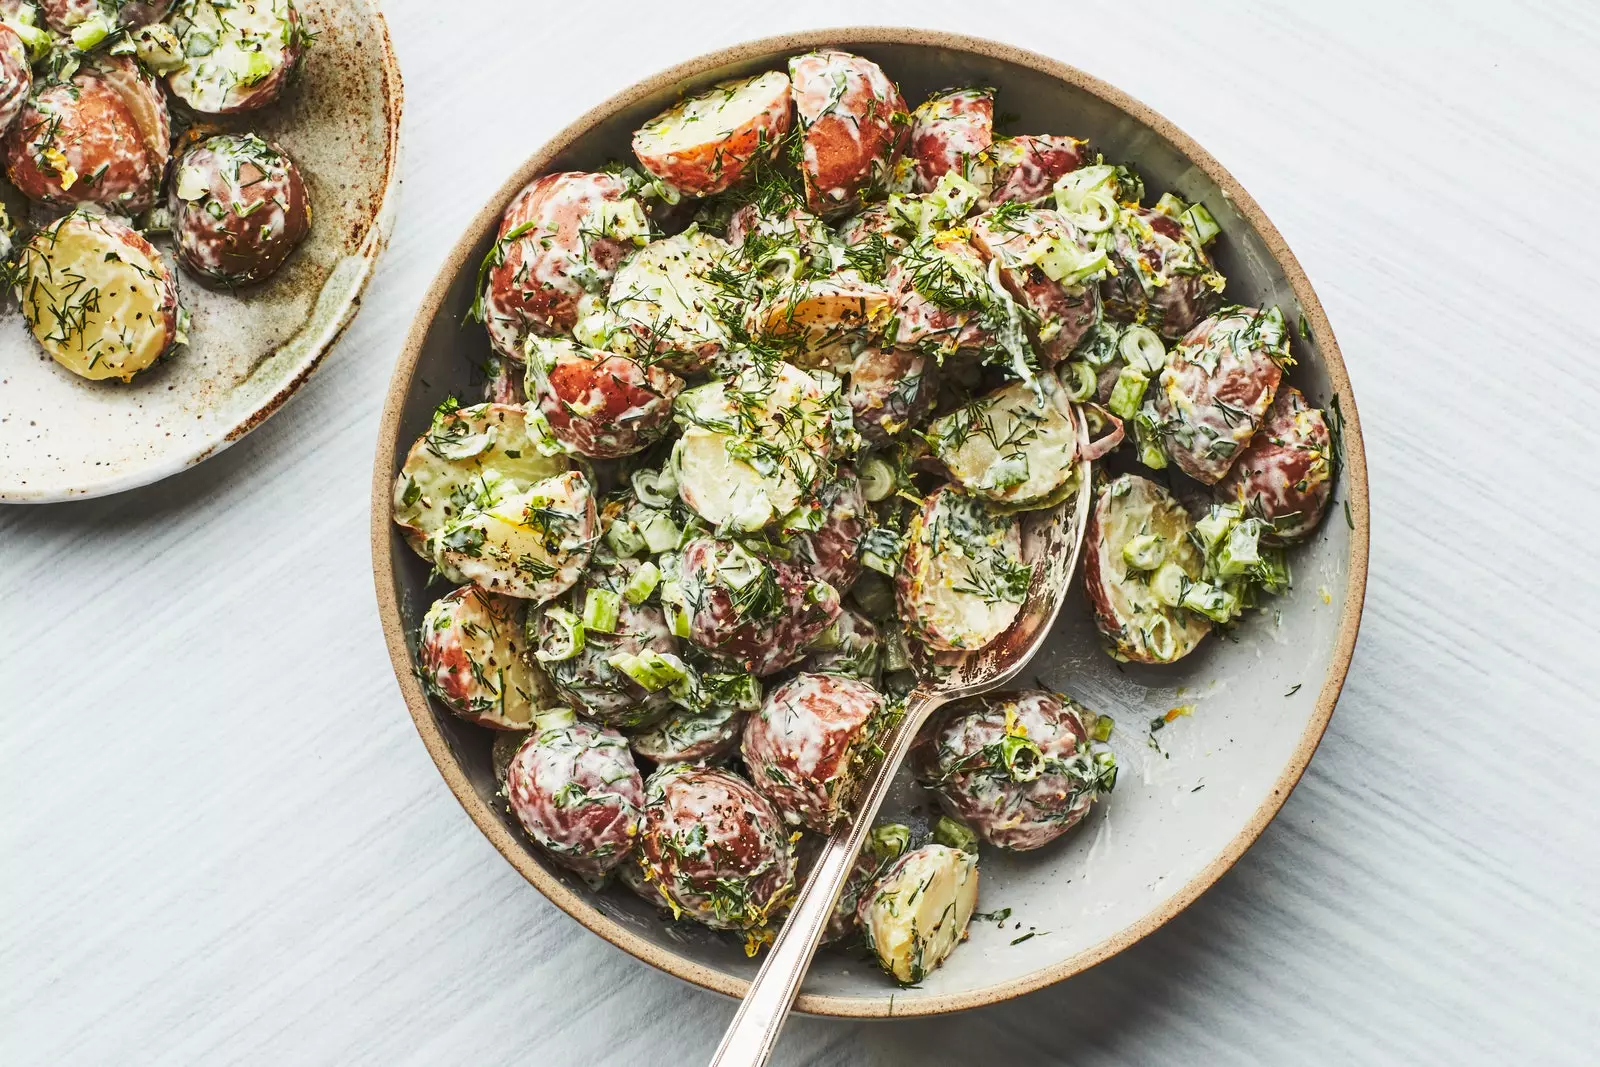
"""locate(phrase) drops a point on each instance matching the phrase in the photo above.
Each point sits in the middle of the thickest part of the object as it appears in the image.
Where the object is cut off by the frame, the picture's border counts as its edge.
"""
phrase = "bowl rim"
(373, 243)
(512, 848)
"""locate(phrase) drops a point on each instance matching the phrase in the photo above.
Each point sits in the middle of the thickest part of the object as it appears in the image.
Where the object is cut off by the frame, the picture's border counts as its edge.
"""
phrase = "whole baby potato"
(854, 124)
(758, 613)
(1285, 475)
(239, 207)
(471, 655)
(574, 788)
(78, 142)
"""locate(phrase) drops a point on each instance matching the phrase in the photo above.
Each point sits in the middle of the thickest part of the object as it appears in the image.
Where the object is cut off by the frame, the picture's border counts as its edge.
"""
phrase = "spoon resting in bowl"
(1052, 541)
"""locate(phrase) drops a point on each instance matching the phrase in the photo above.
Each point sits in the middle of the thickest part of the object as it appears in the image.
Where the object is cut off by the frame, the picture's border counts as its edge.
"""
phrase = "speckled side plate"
(1183, 812)
(63, 437)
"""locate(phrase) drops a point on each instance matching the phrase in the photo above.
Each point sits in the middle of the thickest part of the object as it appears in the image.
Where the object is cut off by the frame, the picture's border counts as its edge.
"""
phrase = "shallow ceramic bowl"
(63, 437)
(1179, 816)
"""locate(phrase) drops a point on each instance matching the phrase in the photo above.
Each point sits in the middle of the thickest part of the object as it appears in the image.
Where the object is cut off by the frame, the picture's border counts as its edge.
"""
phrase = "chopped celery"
(1201, 226)
(1141, 347)
(882, 550)
(642, 584)
(888, 840)
(1240, 553)
(1128, 393)
(677, 618)
(1171, 205)
(1101, 730)
(1217, 524)
(91, 31)
(568, 641)
(957, 835)
(554, 719)
(601, 608)
(652, 670)
(1147, 437)
(660, 533)
(1144, 552)
(623, 538)
(1216, 604)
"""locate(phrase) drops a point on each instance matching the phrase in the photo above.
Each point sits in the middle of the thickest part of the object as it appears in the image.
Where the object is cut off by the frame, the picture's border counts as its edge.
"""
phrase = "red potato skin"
(832, 553)
(93, 127)
(950, 759)
(1245, 379)
(263, 92)
(1044, 158)
(443, 661)
(851, 139)
(875, 220)
(1051, 301)
(713, 166)
(950, 132)
(601, 405)
(747, 219)
(741, 840)
(530, 290)
(1172, 309)
(593, 686)
(16, 77)
(890, 389)
(146, 100)
(925, 325)
(593, 762)
(263, 220)
(62, 15)
(799, 746)
(1286, 474)
(762, 646)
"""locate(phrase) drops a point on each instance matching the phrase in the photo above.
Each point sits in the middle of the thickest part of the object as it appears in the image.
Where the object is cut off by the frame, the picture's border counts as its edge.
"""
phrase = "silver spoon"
(1052, 540)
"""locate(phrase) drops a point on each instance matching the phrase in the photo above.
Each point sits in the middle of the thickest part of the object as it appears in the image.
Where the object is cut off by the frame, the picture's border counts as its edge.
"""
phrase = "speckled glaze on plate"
(62, 437)
(1183, 812)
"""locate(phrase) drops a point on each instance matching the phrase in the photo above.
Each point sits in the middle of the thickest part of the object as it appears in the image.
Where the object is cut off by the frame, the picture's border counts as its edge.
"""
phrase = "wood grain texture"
(221, 841)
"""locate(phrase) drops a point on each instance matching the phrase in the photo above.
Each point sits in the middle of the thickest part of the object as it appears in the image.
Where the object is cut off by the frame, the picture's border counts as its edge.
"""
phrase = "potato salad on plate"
(765, 409)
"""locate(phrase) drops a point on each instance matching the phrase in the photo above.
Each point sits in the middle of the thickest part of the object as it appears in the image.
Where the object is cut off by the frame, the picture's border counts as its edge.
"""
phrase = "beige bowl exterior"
(1151, 849)
(64, 438)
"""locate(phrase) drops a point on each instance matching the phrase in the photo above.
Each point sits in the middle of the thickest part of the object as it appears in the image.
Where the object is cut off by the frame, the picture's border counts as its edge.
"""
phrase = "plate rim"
(370, 250)
(511, 847)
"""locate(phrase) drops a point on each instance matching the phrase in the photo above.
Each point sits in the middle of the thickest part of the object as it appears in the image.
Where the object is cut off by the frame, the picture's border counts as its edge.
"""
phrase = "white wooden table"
(221, 841)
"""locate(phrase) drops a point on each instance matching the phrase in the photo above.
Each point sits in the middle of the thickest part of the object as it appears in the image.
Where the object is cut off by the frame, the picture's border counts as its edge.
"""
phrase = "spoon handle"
(754, 1030)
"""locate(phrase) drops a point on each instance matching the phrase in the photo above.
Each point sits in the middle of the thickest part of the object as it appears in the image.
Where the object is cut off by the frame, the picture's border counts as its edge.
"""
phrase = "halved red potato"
(16, 77)
(585, 678)
(1017, 446)
(575, 789)
(686, 736)
(875, 222)
(940, 288)
(951, 132)
(752, 449)
(1016, 767)
(827, 531)
(1051, 268)
(98, 296)
(472, 656)
(849, 647)
(814, 321)
(533, 544)
(239, 207)
(758, 613)
(963, 580)
(63, 15)
(470, 458)
(238, 54)
(809, 746)
(917, 912)
(1217, 386)
(715, 848)
(890, 390)
(795, 227)
(854, 124)
(146, 98)
(1164, 280)
(1285, 475)
(1136, 610)
(702, 145)
(562, 236)
(1026, 167)
(598, 403)
(77, 142)
(662, 305)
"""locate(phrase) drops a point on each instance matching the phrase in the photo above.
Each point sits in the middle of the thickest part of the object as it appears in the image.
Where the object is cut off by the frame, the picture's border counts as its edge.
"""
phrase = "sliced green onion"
(677, 618)
(1217, 524)
(877, 480)
(882, 550)
(1147, 438)
(957, 835)
(1144, 552)
(1200, 224)
(888, 840)
(642, 584)
(624, 539)
(1128, 393)
(1141, 347)
(1171, 205)
(652, 670)
(601, 607)
(1024, 760)
(649, 488)
(93, 30)
(1167, 584)
(567, 640)
(1080, 381)
(660, 533)
(827, 640)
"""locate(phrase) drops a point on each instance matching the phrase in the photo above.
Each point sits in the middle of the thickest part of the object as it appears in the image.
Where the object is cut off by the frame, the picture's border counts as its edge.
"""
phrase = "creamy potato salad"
(764, 407)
